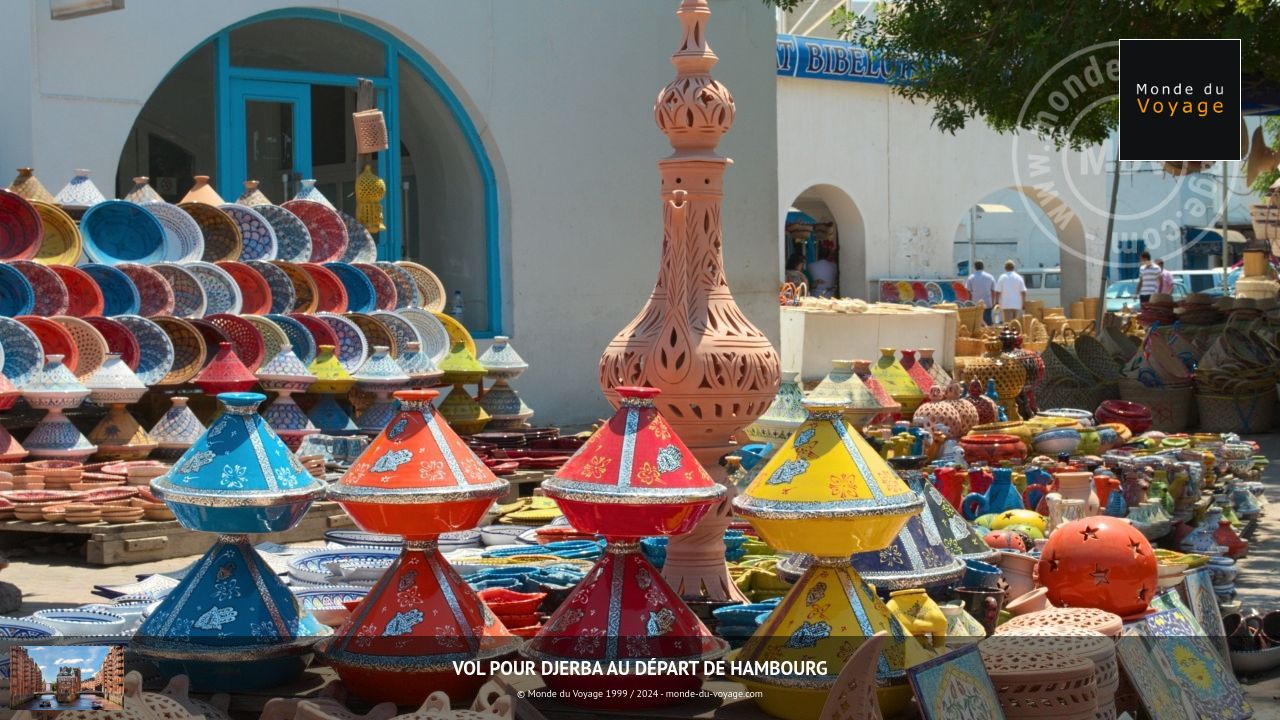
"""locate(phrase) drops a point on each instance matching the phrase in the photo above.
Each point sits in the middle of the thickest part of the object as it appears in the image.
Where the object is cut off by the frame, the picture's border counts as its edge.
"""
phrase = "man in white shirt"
(1011, 290)
(823, 273)
(980, 284)
(1148, 278)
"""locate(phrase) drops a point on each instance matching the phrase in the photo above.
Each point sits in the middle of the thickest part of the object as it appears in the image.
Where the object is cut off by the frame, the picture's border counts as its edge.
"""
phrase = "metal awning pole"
(1226, 258)
(1106, 245)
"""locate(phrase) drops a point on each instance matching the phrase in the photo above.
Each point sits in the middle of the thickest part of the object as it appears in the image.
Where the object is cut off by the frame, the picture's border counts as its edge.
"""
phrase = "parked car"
(1042, 284)
(1124, 293)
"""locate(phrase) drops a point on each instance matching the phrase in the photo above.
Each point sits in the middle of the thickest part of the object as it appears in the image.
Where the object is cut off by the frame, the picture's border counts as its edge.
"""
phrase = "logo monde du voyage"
(1180, 99)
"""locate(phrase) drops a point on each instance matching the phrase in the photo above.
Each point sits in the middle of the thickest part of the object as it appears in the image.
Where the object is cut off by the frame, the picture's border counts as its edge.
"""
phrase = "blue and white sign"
(806, 57)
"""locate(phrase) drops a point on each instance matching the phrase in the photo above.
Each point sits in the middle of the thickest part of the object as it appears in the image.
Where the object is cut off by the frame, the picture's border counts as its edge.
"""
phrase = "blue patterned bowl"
(120, 231)
(23, 355)
(257, 234)
(283, 294)
(16, 294)
(119, 294)
(325, 602)
(293, 240)
(301, 339)
(1058, 440)
(20, 629)
(361, 296)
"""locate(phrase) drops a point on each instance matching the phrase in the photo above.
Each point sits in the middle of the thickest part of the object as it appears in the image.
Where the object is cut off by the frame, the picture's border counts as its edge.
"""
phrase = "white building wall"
(562, 92)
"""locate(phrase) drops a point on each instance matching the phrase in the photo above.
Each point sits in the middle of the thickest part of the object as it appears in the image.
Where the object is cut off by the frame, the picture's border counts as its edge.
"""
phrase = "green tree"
(984, 58)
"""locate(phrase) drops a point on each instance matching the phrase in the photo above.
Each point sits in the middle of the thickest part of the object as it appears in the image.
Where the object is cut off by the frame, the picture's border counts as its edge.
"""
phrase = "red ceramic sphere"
(1006, 540)
(1099, 562)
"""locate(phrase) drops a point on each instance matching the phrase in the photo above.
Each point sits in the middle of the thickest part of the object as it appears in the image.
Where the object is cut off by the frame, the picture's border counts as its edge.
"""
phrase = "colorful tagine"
(634, 478)
(842, 387)
(380, 375)
(458, 407)
(285, 375)
(332, 381)
(506, 408)
(828, 494)
(421, 369)
(231, 624)
(419, 480)
(225, 373)
(892, 409)
(783, 416)
(900, 386)
(176, 431)
(118, 435)
(55, 389)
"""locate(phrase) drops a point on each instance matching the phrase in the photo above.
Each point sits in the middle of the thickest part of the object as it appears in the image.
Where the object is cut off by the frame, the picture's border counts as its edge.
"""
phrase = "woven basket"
(1060, 364)
(1077, 394)
(1172, 409)
(1250, 413)
(1094, 356)
(970, 316)
(370, 131)
(966, 344)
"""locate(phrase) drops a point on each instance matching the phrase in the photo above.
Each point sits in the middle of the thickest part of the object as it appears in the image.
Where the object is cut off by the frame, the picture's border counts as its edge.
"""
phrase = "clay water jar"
(1019, 572)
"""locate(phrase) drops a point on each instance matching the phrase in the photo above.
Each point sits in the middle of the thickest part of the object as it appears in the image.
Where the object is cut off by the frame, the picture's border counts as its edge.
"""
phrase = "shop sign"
(806, 57)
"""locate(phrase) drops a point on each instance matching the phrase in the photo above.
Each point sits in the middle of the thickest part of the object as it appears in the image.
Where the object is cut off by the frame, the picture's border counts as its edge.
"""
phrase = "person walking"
(1148, 278)
(980, 285)
(1011, 290)
(1166, 279)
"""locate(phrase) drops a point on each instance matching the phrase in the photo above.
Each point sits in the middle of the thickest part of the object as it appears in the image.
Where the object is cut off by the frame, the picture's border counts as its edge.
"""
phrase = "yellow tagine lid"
(331, 376)
(894, 378)
(826, 491)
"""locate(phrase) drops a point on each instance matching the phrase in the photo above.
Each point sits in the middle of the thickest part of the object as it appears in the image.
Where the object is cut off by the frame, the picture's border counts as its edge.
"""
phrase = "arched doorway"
(270, 98)
(824, 224)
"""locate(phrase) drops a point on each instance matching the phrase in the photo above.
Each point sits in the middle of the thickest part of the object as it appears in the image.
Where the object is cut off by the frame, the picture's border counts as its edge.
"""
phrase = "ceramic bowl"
(255, 292)
(21, 227)
(283, 295)
(384, 287)
(132, 612)
(1053, 442)
(120, 231)
(222, 293)
(327, 602)
(359, 566)
(16, 294)
(293, 240)
(221, 234)
(50, 292)
(502, 535)
(328, 231)
(1255, 662)
(155, 294)
(361, 296)
(257, 235)
(84, 297)
(188, 294)
(360, 538)
(407, 293)
(300, 338)
(1084, 417)
(81, 622)
(183, 240)
(331, 294)
(62, 244)
(361, 247)
(119, 294)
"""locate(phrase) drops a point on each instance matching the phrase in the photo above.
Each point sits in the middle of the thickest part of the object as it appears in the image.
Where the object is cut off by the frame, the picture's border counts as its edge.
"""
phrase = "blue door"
(271, 135)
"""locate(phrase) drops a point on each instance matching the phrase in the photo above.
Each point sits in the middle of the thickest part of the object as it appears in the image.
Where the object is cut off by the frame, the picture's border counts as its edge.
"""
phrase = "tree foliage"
(996, 59)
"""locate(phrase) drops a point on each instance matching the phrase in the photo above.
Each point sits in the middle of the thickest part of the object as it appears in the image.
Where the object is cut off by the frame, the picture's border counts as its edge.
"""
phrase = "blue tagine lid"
(381, 370)
(230, 606)
(238, 477)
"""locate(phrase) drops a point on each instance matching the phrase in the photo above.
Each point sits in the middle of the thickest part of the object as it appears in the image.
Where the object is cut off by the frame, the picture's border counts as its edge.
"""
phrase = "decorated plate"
(118, 231)
(328, 232)
(305, 292)
(257, 237)
(457, 332)
(402, 331)
(361, 247)
(320, 331)
(356, 565)
(84, 297)
(352, 347)
(155, 294)
(361, 297)
(92, 346)
(50, 292)
(61, 244)
(407, 292)
(16, 295)
(429, 286)
(119, 340)
(283, 297)
(184, 242)
(221, 234)
(189, 349)
(255, 293)
(188, 294)
(156, 350)
(300, 338)
(273, 338)
(119, 296)
(331, 294)
(23, 354)
(375, 332)
(245, 339)
(222, 294)
(21, 228)
(384, 288)
(293, 240)
(54, 339)
(431, 332)
(212, 334)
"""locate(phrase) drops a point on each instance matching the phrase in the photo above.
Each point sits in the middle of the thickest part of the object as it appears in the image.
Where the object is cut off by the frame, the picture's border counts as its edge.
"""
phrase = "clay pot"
(1019, 572)
(1132, 415)
(1033, 601)
(993, 449)
(983, 605)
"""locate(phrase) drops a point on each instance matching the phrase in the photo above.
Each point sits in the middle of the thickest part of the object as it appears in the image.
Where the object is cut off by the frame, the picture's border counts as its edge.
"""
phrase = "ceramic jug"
(1053, 508)
(950, 483)
(1116, 506)
(919, 614)
(999, 497)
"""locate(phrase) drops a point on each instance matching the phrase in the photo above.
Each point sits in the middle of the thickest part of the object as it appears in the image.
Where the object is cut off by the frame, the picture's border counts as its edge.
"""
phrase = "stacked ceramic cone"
(502, 364)
(118, 435)
(380, 375)
(332, 381)
(633, 479)
(231, 623)
(55, 389)
(285, 375)
(418, 480)
(828, 494)
(461, 368)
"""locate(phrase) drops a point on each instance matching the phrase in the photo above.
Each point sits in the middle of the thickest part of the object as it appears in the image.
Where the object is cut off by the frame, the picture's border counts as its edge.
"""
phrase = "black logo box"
(1186, 68)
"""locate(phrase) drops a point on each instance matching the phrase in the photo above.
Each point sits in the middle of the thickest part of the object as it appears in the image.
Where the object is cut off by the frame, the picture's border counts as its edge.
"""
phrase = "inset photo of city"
(48, 679)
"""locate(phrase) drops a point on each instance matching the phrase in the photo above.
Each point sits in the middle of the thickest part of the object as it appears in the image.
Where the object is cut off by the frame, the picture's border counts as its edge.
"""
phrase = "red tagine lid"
(634, 458)
(225, 373)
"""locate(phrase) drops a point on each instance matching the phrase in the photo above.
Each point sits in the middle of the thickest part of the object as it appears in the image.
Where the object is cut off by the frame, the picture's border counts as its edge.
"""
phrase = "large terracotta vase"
(716, 370)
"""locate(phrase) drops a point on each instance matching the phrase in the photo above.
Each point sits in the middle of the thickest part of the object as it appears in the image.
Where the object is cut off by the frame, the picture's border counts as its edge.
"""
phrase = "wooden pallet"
(144, 541)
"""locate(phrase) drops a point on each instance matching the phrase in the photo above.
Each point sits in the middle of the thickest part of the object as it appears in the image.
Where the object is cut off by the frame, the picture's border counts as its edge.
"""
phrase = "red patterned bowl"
(84, 297)
(304, 287)
(255, 293)
(384, 288)
(21, 228)
(54, 338)
(155, 294)
(1132, 415)
(119, 339)
(50, 291)
(245, 339)
(319, 329)
(213, 337)
(993, 449)
(328, 232)
(331, 294)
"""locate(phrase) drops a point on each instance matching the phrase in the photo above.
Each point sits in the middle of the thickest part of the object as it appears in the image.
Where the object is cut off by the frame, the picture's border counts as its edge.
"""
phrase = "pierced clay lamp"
(118, 435)
(827, 493)
(231, 624)
(1099, 562)
(55, 389)
(225, 373)
(380, 375)
(285, 375)
(332, 381)
(419, 480)
(634, 478)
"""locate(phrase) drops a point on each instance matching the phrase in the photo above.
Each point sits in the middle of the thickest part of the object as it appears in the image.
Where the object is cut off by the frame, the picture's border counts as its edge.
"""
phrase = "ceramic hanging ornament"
(175, 431)
(142, 192)
(842, 387)
(118, 435)
(332, 381)
(225, 373)
(202, 192)
(370, 190)
(422, 370)
(79, 194)
(285, 375)
(506, 409)
(461, 410)
(633, 478)
(718, 372)
(784, 414)
(231, 623)
(56, 389)
(29, 186)
(380, 375)
(252, 195)
(828, 494)
(417, 479)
